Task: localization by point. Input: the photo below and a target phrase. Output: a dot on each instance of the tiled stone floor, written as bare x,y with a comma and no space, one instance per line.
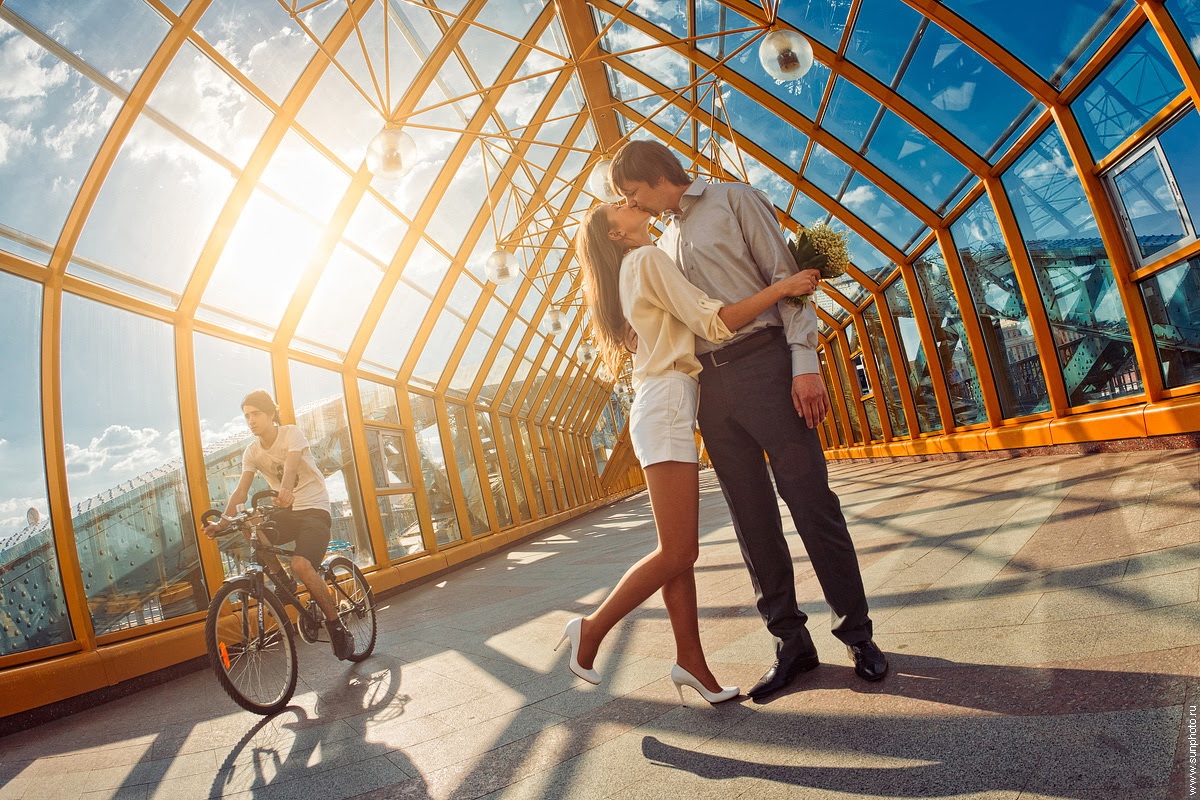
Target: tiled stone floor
1042,616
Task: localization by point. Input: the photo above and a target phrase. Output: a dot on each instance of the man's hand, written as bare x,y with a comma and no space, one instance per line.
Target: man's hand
809,398
214,529
284,498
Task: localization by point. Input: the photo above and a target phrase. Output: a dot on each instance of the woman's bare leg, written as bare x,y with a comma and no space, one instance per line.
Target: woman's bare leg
675,501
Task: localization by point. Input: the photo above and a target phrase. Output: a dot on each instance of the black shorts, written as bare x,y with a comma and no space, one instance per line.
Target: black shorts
309,529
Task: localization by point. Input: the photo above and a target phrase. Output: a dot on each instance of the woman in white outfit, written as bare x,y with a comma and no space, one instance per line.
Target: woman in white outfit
641,303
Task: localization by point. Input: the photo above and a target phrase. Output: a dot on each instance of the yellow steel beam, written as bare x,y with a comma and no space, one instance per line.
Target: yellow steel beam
576,20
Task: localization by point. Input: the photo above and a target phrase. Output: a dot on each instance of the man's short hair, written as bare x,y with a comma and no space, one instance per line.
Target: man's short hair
647,161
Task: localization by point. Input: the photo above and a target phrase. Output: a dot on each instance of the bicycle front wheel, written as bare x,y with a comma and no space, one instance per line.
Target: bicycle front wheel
250,646
355,603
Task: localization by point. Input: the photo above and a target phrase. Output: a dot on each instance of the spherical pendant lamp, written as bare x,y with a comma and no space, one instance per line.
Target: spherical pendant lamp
587,352
501,268
555,322
785,55
391,154
600,182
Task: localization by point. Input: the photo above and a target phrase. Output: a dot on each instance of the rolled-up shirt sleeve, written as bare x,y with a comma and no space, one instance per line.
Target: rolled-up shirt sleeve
658,281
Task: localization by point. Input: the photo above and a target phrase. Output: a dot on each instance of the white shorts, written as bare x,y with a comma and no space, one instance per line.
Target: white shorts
662,421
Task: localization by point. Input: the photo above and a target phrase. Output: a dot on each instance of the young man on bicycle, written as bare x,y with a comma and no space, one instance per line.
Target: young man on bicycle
281,454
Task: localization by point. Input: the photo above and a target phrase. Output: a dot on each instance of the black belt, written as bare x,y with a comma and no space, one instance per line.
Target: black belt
740,348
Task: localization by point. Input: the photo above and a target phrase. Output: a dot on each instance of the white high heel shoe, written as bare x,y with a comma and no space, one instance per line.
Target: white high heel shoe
572,632
681,677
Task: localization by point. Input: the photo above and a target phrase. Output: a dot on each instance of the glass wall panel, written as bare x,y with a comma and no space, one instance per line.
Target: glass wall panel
401,525
461,434
887,373
339,301
225,373
437,348
378,402
916,365
1091,335
433,470
1007,334
512,448
393,336
491,458
1172,300
538,468
52,97
833,413
33,611
134,530
954,351
849,392
175,193
321,416
1136,85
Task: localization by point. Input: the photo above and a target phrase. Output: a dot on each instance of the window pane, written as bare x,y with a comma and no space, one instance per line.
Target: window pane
1007,334
920,379
491,458
468,470
954,351
1135,86
378,402
225,373
887,373
849,393
133,522
339,300
1180,144
513,452
1149,204
401,526
833,414
321,417
1172,300
1074,274
433,470
531,460
389,460
33,612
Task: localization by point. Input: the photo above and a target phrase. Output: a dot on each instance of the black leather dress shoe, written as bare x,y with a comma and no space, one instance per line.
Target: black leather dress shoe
790,660
870,663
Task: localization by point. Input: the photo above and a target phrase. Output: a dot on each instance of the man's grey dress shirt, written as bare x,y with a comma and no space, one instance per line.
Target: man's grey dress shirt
728,242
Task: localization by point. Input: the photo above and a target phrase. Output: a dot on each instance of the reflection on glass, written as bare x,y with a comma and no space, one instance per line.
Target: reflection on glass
832,415
33,611
491,457
389,461
848,393
872,412
1172,300
953,349
916,365
378,402
1091,334
1149,204
531,460
517,470
1136,85
134,530
1007,334
604,437
401,526
321,417
887,373
433,470
468,470
225,373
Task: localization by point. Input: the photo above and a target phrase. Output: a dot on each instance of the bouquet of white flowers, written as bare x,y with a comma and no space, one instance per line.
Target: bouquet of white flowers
822,248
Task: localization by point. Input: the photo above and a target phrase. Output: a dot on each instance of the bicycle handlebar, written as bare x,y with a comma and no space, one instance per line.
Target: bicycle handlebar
241,519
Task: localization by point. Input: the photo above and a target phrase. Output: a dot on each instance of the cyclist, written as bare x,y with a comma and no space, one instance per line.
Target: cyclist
281,454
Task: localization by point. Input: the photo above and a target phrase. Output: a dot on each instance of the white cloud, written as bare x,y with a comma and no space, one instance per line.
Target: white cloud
26,70
3,442
91,114
120,449
11,139
859,198
13,513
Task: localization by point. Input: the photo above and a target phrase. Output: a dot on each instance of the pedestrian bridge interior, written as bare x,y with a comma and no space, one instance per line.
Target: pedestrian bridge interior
367,208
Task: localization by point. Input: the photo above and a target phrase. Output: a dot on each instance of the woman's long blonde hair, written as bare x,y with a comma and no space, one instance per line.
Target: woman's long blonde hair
600,259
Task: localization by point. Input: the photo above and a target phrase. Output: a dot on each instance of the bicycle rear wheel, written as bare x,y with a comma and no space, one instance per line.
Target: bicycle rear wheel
355,603
251,648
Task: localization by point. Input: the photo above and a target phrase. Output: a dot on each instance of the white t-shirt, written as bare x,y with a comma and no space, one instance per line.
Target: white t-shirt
309,491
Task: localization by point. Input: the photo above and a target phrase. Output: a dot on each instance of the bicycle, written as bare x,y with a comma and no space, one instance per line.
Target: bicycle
248,632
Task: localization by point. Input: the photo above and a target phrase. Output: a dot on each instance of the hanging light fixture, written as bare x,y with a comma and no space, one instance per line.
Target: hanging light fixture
785,55
587,352
501,268
600,182
391,154
555,321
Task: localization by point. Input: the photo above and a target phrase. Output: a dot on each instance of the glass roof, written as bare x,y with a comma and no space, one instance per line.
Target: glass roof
231,136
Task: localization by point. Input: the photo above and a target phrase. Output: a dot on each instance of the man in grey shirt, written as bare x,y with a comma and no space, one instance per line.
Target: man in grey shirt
761,391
